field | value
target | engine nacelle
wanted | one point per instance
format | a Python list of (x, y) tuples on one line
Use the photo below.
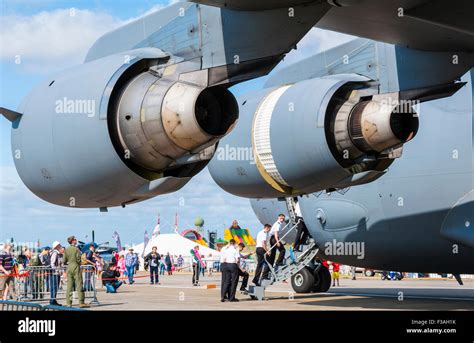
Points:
[(120, 129), (330, 132)]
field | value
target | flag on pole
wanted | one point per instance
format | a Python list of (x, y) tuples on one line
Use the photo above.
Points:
[(156, 230), (116, 237), (146, 239)]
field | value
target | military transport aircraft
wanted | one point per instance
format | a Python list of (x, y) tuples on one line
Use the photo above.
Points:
[(372, 140)]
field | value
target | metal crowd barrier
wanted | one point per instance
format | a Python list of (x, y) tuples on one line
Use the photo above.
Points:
[(19, 306), (24, 306), (42, 283)]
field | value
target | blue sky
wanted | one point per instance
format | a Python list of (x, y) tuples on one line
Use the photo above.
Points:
[(48, 40)]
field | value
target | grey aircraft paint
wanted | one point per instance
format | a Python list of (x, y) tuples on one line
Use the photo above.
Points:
[(413, 214), (79, 159), (418, 216)]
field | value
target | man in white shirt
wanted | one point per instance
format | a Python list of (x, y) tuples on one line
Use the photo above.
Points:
[(275, 241), (262, 249), (243, 268), (230, 257)]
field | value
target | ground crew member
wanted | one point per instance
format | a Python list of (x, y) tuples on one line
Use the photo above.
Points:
[(335, 273), (230, 256), (224, 275), (72, 258), (353, 273), (243, 268), (275, 243), (302, 234), (261, 251)]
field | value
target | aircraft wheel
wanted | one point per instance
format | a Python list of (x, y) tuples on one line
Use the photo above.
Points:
[(369, 273), (322, 280), (303, 281)]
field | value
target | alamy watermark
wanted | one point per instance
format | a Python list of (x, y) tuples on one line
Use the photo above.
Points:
[(401, 106), (37, 326), (230, 153), (335, 248), (75, 106)]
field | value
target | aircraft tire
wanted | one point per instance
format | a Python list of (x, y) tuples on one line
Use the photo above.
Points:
[(303, 281), (322, 280), (369, 273)]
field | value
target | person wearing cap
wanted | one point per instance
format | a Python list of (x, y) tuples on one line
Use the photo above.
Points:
[(110, 279), (72, 258), (55, 273), (131, 261), (7, 279), (45, 257)]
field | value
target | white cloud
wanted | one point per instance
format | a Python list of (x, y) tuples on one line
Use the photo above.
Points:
[(52, 40)]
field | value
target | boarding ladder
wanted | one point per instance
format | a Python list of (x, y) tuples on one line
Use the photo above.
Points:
[(294, 261)]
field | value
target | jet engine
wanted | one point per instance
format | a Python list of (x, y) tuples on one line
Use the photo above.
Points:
[(120, 129), (319, 134)]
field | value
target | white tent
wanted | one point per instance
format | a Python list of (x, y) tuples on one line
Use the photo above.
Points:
[(176, 244), (139, 249)]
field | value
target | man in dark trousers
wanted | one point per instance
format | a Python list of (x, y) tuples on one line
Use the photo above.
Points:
[(262, 250), (89, 268), (153, 260), (275, 243), (243, 268), (198, 264), (224, 275), (230, 258), (302, 233), (55, 272)]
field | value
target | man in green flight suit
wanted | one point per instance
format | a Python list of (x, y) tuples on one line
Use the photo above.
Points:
[(72, 257)]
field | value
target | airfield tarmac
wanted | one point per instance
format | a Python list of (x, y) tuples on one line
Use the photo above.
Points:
[(177, 293)]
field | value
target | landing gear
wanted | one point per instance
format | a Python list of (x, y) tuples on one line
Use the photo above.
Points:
[(303, 281), (369, 273), (322, 280), (309, 280)]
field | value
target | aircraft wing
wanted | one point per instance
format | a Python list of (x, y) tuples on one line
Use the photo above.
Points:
[(434, 25), (252, 5)]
